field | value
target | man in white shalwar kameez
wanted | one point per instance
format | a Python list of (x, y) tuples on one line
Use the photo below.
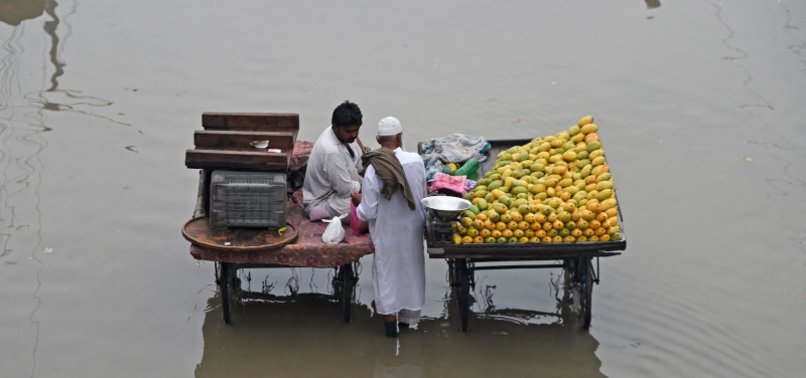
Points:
[(393, 185), (333, 168)]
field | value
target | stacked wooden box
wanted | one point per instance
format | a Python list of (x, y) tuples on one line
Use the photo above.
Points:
[(244, 158)]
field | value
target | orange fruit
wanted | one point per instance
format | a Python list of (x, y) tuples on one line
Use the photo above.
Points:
[(495, 233), (489, 225), (523, 225)]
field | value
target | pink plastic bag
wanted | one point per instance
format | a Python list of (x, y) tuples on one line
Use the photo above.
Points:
[(452, 183), (357, 226)]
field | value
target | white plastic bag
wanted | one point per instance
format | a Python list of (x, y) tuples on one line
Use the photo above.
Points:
[(334, 232)]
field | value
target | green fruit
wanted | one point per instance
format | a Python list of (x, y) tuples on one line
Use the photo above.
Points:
[(482, 204)]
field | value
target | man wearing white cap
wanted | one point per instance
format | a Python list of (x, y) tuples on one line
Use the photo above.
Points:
[(394, 183)]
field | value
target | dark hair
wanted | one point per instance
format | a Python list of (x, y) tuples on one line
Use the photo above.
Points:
[(347, 114)]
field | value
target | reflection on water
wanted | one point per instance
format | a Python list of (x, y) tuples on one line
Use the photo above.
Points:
[(50, 29), (304, 336), (13, 12)]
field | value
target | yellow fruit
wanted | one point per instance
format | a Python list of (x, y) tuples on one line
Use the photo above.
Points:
[(604, 194), (608, 204), (467, 240), (482, 204), (457, 239), (585, 120), (488, 225), (602, 185), (589, 128)]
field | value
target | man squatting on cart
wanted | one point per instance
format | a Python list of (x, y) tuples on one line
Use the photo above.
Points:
[(334, 166), (393, 186)]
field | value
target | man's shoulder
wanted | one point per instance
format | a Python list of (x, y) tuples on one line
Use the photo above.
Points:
[(407, 157)]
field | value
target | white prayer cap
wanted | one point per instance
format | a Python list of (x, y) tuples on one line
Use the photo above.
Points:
[(389, 126)]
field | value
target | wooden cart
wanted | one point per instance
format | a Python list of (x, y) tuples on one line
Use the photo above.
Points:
[(238, 141), (307, 250)]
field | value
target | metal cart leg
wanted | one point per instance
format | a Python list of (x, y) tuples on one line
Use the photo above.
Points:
[(586, 288), (463, 278), (224, 283), (347, 280)]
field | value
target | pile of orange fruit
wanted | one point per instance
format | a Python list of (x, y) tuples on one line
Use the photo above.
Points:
[(554, 189)]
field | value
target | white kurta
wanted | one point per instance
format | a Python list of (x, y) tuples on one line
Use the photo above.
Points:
[(398, 265), (332, 174)]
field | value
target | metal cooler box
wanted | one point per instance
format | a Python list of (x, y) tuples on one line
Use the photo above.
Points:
[(248, 199)]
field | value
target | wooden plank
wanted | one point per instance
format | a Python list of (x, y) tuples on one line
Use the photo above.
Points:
[(241, 140), (250, 121), (246, 160)]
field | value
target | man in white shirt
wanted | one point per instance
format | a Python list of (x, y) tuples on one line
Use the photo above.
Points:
[(393, 186), (332, 174)]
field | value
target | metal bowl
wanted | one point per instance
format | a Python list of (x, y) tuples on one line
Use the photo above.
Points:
[(446, 207)]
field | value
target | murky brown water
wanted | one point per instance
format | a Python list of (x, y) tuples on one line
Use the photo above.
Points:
[(700, 106)]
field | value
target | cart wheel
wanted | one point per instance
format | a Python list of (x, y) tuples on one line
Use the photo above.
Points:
[(347, 280), (224, 283), (463, 282), (586, 286)]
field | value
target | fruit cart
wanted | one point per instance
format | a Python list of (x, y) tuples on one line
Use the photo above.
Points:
[(579, 260)]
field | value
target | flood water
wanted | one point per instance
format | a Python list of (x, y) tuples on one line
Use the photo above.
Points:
[(700, 105)]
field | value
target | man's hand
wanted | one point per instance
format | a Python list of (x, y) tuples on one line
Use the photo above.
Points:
[(356, 198)]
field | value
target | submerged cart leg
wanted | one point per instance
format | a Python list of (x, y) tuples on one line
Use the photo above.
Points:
[(347, 279), (224, 283), (463, 278), (586, 285)]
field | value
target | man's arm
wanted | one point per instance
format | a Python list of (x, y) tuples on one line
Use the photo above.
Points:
[(368, 209), (338, 173)]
